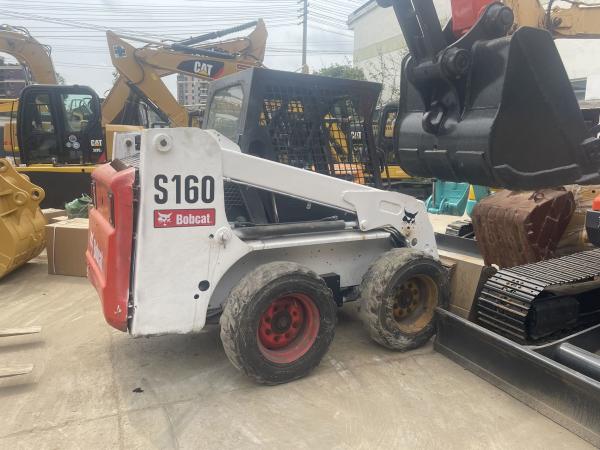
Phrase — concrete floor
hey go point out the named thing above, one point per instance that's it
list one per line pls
(81, 394)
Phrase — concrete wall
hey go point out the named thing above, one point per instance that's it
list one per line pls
(379, 45)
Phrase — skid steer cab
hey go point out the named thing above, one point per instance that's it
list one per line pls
(165, 257)
(317, 123)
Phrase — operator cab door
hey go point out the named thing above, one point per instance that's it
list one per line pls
(60, 125)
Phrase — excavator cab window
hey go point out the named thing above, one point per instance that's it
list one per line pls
(77, 110)
(149, 118)
(225, 110)
(59, 125)
(38, 123)
(385, 133)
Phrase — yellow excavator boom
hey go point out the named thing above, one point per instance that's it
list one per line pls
(17, 42)
(142, 69)
(578, 21)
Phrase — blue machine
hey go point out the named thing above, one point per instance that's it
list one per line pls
(454, 199)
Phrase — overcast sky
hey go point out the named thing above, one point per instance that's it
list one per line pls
(76, 29)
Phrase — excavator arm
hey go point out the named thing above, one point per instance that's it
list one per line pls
(141, 70)
(17, 42)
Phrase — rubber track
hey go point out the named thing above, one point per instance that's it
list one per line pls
(506, 298)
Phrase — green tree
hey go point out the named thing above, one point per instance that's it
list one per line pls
(60, 78)
(342, 71)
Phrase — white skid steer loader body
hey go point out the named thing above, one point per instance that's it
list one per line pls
(187, 256)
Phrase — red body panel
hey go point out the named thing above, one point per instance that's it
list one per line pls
(465, 13)
(110, 241)
(596, 204)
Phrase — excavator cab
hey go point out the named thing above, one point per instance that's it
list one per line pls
(59, 125)
(468, 100)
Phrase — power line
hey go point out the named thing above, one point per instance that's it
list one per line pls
(88, 21)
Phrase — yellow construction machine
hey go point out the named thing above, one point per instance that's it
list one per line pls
(580, 20)
(31, 54)
(64, 131)
(140, 87)
(21, 221)
(35, 58)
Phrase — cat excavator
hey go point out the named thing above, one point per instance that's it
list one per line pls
(36, 60)
(31, 54)
(64, 131)
(21, 221)
(141, 71)
(486, 100)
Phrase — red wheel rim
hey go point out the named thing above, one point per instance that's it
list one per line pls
(288, 328)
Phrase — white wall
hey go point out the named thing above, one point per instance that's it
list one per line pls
(581, 57)
(379, 45)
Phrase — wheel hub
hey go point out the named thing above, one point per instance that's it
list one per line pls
(413, 303)
(281, 323)
(407, 300)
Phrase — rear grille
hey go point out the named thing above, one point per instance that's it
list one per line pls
(130, 161)
(233, 197)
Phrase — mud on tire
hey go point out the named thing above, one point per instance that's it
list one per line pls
(398, 297)
(278, 322)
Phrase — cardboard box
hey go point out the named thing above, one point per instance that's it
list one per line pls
(66, 243)
(51, 213)
(59, 219)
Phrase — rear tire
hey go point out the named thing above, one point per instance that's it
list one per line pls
(278, 322)
(398, 297)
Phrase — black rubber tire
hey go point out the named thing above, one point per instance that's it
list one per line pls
(249, 300)
(380, 283)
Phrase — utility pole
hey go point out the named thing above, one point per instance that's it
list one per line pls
(304, 32)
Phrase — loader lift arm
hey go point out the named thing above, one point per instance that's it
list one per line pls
(141, 69)
(17, 42)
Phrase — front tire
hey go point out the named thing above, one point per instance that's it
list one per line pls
(278, 322)
(398, 297)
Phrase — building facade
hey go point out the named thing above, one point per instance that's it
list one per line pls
(379, 45)
(192, 92)
(12, 79)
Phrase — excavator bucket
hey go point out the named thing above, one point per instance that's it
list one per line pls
(21, 220)
(467, 105)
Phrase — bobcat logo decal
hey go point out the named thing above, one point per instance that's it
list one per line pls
(164, 219)
(409, 218)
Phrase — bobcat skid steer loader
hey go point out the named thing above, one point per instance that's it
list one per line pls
(165, 257)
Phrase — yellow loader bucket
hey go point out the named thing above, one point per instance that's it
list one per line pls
(21, 220)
